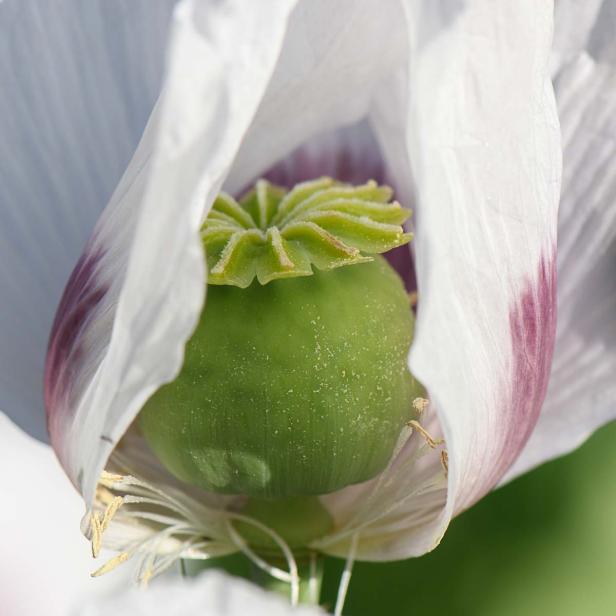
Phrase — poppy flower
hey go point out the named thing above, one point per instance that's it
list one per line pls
(453, 105)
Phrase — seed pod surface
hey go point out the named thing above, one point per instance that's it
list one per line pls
(295, 387)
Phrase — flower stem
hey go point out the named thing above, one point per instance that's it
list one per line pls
(310, 572)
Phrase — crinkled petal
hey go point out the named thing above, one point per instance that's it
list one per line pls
(211, 594)
(333, 61)
(582, 390)
(484, 147)
(78, 82)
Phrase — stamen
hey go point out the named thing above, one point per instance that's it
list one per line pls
(111, 510)
(430, 486)
(413, 297)
(103, 495)
(293, 576)
(431, 442)
(275, 572)
(171, 524)
(313, 580)
(164, 563)
(110, 565)
(190, 523)
(146, 577)
(95, 525)
(165, 500)
(445, 461)
(369, 514)
(420, 405)
(345, 578)
(110, 478)
(148, 562)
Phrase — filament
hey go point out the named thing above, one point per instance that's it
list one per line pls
(345, 578)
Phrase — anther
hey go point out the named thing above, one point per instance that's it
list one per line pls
(95, 523)
(103, 495)
(445, 461)
(111, 510)
(108, 480)
(420, 405)
(146, 577)
(110, 565)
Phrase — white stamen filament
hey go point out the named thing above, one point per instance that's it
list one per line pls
(189, 519)
(163, 523)
(275, 572)
(366, 519)
(313, 580)
(345, 579)
(431, 442)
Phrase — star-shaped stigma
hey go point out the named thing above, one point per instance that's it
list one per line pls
(273, 233)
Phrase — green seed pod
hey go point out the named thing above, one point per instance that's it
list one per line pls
(296, 383)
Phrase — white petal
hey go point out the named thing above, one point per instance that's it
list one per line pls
(45, 562)
(78, 82)
(334, 59)
(582, 390)
(485, 153)
(484, 147)
(211, 594)
(138, 290)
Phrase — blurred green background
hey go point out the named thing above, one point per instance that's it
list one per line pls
(544, 544)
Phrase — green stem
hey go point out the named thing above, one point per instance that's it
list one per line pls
(310, 573)
(292, 523)
(310, 570)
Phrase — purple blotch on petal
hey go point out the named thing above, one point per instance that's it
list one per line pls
(532, 322)
(65, 355)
